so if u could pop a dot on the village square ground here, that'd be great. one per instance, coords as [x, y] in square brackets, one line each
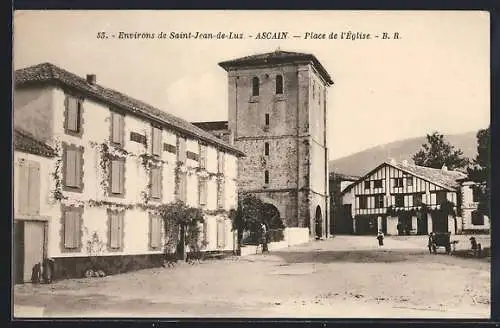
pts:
[342, 277]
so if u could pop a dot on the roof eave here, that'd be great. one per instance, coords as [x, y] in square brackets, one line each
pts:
[58, 82]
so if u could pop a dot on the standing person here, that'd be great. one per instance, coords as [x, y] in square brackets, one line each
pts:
[380, 237]
[431, 244]
[264, 238]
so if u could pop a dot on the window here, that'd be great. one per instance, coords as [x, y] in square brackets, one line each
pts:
[221, 234]
[255, 86]
[117, 128]
[115, 230]
[279, 84]
[73, 115]
[476, 193]
[117, 176]
[203, 156]
[137, 137]
[156, 141]
[155, 231]
[379, 201]
[192, 156]
[73, 170]
[266, 149]
[221, 193]
[205, 232]
[399, 201]
[28, 185]
[398, 182]
[367, 184]
[417, 199]
[156, 182]
[72, 227]
[267, 119]
[377, 184]
[220, 162]
[266, 176]
[169, 148]
[363, 202]
[181, 146]
[409, 181]
[440, 197]
[477, 218]
[202, 191]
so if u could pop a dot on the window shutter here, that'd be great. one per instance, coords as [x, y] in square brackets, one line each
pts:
[203, 191]
[113, 243]
[156, 141]
[116, 128]
[221, 162]
[121, 219]
[121, 179]
[23, 188]
[115, 177]
[221, 234]
[70, 168]
[182, 150]
[221, 193]
[34, 188]
[155, 232]
[72, 114]
[69, 229]
[77, 228]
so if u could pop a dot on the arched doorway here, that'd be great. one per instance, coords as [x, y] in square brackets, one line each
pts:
[318, 221]
[272, 219]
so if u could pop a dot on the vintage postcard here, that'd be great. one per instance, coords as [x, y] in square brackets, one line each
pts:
[264, 164]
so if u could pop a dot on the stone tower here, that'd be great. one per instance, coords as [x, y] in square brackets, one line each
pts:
[278, 117]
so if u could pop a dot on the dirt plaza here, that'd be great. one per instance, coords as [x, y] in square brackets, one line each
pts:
[342, 277]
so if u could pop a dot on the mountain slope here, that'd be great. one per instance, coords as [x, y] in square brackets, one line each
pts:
[362, 162]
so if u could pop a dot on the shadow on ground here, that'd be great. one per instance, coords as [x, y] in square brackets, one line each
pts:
[355, 256]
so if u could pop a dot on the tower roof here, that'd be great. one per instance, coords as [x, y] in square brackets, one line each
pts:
[277, 57]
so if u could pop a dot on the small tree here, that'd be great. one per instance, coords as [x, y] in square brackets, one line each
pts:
[181, 226]
[438, 152]
[479, 172]
[95, 247]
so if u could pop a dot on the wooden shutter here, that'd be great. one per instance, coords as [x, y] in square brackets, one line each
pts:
[221, 162]
[203, 191]
[221, 234]
[70, 218]
[117, 128]
[34, 188]
[203, 156]
[70, 167]
[155, 231]
[156, 141]
[22, 188]
[220, 192]
[115, 230]
[182, 150]
[72, 111]
[117, 176]
[182, 187]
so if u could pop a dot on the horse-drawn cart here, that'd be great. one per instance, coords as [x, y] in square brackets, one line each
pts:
[441, 239]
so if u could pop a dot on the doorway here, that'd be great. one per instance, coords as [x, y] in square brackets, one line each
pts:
[439, 222]
[29, 248]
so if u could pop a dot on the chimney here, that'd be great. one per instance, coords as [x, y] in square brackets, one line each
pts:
[444, 168]
[91, 79]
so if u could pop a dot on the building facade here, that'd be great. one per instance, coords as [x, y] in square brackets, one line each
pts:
[116, 160]
[32, 162]
[278, 118]
[472, 219]
[340, 222]
[405, 199]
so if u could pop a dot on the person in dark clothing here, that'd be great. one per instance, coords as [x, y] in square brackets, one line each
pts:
[380, 237]
[473, 244]
[264, 239]
[431, 244]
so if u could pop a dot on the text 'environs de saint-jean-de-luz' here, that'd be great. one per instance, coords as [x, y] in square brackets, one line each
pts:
[348, 35]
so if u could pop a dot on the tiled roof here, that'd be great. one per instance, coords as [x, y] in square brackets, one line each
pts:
[49, 73]
[23, 141]
[277, 57]
[343, 176]
[444, 178]
[212, 125]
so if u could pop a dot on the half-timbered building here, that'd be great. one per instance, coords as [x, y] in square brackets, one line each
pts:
[402, 198]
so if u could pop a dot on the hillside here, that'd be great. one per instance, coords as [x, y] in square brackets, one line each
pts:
[363, 161]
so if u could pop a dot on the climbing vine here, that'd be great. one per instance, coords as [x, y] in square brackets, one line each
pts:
[57, 193]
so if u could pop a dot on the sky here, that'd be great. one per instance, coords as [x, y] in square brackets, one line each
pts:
[435, 77]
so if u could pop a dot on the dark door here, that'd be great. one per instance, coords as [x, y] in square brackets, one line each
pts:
[18, 252]
[318, 220]
[439, 222]
[345, 220]
[384, 225]
[422, 224]
[404, 224]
